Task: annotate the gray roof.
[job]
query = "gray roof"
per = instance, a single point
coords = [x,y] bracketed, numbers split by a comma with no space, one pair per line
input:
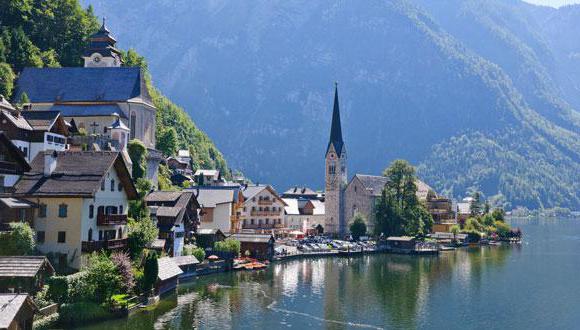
[16,203]
[10,305]
[252,238]
[208,231]
[373,183]
[158,243]
[163,196]
[23,266]
[212,196]
[17,120]
[300,191]
[41,120]
[50,85]
[185,260]
[94,110]
[252,190]
[167,268]
[77,173]
[171,204]
[4,104]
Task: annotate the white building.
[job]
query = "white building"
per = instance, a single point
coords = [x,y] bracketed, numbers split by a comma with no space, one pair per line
[263,209]
[303,214]
[82,199]
[221,207]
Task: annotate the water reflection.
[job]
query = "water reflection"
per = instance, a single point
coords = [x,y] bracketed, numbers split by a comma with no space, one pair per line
[340,293]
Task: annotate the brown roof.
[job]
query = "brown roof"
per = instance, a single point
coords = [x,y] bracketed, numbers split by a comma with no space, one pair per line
[17,155]
[163,196]
[173,203]
[41,120]
[23,266]
[252,238]
[17,120]
[77,173]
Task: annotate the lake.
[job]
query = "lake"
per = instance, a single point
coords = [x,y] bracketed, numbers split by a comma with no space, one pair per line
[534,285]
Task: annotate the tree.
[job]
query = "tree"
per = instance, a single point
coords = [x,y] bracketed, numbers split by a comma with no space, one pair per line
[229,245]
[141,234]
[455,230]
[6,80]
[150,271]
[103,276]
[398,211]
[138,154]
[18,241]
[498,214]
[475,207]
[167,141]
[358,226]
[195,251]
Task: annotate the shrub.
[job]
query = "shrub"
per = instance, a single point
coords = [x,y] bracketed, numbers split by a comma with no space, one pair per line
[103,276]
[125,270]
[138,154]
[498,214]
[195,251]
[228,245]
[502,229]
[82,312]
[67,289]
[18,241]
[42,299]
[48,322]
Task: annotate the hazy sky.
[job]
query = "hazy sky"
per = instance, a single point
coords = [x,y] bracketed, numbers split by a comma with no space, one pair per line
[553,3]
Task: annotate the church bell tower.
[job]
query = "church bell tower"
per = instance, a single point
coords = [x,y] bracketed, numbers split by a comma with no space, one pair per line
[101,52]
[336,177]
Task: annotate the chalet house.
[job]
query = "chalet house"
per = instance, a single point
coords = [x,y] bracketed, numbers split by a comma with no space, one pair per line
[33,132]
[16,311]
[263,209]
[24,273]
[206,238]
[12,163]
[95,96]
[305,215]
[82,199]
[168,276]
[221,207]
[260,246]
[208,178]
[176,213]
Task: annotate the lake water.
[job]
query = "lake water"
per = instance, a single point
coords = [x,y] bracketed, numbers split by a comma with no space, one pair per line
[534,286]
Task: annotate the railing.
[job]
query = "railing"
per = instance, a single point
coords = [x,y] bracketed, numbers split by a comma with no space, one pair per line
[263,226]
[111,244]
[111,219]
[265,213]
[265,202]
[6,165]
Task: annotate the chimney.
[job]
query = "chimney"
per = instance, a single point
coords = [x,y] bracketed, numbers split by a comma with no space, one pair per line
[49,162]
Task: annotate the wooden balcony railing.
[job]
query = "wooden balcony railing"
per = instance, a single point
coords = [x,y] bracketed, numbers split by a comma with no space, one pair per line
[111,244]
[111,219]
[265,202]
[265,213]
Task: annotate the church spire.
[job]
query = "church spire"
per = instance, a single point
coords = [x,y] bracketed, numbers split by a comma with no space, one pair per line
[335,128]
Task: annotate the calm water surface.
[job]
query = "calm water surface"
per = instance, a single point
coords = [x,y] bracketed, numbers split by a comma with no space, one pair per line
[535,286]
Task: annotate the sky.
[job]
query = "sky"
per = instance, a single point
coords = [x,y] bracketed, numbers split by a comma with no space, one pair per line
[553,3]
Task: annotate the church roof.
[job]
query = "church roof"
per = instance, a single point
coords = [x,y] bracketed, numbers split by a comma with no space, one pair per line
[88,110]
[58,85]
[335,128]
[373,183]
[102,42]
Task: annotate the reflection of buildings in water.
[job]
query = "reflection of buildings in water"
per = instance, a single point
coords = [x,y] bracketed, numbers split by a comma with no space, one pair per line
[318,276]
[287,275]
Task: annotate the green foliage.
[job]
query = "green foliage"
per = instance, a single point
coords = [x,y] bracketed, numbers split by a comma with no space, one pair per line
[47,322]
[70,288]
[455,229]
[197,252]
[141,234]
[229,245]
[42,298]
[137,208]
[138,154]
[502,229]
[476,208]
[398,210]
[103,276]
[472,224]
[18,241]
[6,80]
[150,271]
[498,214]
[202,150]
[164,178]
[79,313]
[167,141]
[487,219]
[358,226]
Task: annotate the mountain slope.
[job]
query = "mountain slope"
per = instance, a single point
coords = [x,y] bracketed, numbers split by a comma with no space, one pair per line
[257,76]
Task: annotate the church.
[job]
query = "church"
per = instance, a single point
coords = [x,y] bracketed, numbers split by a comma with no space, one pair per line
[103,98]
[344,199]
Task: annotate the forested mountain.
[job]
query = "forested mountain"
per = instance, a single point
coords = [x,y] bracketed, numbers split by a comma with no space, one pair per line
[480,94]
[37,33]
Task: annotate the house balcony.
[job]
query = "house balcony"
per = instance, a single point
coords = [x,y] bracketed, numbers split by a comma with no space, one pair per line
[266,213]
[112,244]
[263,226]
[265,202]
[111,219]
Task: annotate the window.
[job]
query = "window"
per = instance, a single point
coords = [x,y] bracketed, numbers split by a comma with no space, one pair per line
[112,185]
[62,210]
[267,221]
[133,125]
[120,209]
[244,209]
[90,234]
[91,211]
[331,169]
[103,185]
[21,215]
[2,181]
[42,211]
[25,151]
[251,221]
[119,187]
[40,237]
[61,237]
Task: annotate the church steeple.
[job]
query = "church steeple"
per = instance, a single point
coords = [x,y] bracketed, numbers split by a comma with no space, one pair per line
[335,128]
[101,51]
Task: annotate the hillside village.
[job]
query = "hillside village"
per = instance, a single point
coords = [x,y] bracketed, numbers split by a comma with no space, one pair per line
[80,166]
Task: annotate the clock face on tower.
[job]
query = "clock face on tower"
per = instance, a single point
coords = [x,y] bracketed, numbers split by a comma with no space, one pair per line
[97,59]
